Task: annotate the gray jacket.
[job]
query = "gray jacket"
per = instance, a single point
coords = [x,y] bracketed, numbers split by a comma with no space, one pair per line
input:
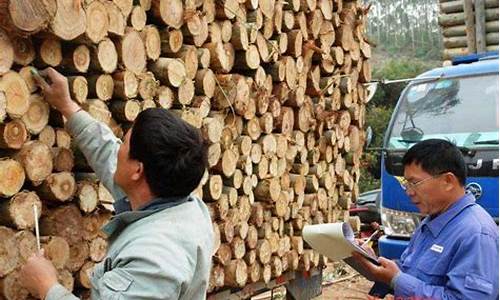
[162,251]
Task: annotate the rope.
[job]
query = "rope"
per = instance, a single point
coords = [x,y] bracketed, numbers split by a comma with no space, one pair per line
[227,99]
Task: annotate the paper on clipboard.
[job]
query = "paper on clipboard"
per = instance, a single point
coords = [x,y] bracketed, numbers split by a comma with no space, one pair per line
[336,241]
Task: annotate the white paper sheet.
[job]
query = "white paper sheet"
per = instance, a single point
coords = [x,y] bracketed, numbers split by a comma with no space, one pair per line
[337,242]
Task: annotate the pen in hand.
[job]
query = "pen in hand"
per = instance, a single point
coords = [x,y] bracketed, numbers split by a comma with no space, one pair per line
[374,234]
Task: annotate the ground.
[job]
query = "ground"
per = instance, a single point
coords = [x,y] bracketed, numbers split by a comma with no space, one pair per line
[339,282]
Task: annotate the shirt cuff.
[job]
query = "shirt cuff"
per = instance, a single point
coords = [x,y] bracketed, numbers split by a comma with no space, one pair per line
[56,292]
[78,122]
[393,280]
[405,285]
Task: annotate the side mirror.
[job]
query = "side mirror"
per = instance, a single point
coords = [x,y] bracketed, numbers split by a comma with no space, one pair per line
[369,136]
[412,134]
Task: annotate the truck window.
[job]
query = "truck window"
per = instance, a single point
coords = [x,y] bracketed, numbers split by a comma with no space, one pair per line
[463,110]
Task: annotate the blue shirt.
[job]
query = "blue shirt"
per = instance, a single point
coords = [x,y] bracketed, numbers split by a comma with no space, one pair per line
[452,256]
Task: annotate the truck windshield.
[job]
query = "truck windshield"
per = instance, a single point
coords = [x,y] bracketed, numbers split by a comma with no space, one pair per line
[462,110]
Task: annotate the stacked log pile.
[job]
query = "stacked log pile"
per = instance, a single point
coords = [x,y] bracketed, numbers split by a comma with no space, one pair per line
[275,87]
[468,26]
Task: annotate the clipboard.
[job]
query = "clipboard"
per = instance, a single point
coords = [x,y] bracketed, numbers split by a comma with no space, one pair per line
[337,242]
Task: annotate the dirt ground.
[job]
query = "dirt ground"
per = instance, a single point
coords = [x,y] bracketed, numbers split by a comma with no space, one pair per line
[339,282]
[355,287]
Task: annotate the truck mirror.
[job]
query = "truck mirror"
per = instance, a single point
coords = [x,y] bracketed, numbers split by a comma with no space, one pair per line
[412,134]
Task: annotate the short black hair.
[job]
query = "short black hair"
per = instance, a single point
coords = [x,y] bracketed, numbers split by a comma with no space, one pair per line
[173,152]
[437,156]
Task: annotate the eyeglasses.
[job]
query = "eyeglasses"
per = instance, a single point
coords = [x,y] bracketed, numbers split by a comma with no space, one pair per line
[407,185]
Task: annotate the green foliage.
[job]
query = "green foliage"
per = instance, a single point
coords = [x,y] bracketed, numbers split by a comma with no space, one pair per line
[378,118]
[408,27]
[401,68]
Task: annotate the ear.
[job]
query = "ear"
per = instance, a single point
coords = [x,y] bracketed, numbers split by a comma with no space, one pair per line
[450,181]
[138,171]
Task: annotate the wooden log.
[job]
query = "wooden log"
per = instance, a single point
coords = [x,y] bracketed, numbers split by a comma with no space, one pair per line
[97,249]
[12,177]
[36,159]
[247,60]
[217,277]
[100,86]
[169,71]
[58,187]
[238,247]
[24,51]
[185,93]
[104,57]
[97,24]
[9,250]
[56,250]
[131,51]
[84,275]
[78,87]
[138,18]
[235,273]
[169,12]
[64,221]
[152,41]
[148,86]
[219,59]
[26,243]
[78,255]
[125,84]
[171,41]
[87,196]
[13,134]
[16,94]
[268,190]
[69,21]
[26,17]
[454,19]
[213,188]
[117,22]
[63,138]
[18,211]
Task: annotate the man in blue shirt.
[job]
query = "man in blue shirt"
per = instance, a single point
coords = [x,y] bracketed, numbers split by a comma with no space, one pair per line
[453,254]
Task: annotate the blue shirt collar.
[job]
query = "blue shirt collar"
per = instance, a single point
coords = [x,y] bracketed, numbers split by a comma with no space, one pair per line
[439,222]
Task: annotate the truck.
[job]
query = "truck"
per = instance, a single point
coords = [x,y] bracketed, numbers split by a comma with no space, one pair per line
[458,103]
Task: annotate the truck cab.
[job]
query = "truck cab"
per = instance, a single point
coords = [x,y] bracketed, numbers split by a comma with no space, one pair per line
[458,103]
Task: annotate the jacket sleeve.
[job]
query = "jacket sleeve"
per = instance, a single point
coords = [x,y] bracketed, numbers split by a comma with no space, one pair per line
[58,292]
[472,274]
[100,147]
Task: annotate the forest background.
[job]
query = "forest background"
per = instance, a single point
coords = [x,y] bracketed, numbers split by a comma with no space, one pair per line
[406,41]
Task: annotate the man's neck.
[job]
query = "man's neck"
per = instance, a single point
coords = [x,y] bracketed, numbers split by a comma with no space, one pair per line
[139,197]
[454,197]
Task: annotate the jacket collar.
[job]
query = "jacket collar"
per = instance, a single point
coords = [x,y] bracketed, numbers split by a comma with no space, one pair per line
[437,224]
[125,215]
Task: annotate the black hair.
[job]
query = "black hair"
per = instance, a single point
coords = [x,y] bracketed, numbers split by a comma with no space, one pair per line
[436,156]
[172,151]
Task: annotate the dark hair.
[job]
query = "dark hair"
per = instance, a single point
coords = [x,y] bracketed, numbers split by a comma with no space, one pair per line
[173,152]
[436,156]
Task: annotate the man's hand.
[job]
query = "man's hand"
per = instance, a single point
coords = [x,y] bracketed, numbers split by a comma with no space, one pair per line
[384,273]
[38,275]
[56,91]
[366,247]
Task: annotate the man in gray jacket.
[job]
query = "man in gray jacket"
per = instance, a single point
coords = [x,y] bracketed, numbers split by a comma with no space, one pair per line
[161,238]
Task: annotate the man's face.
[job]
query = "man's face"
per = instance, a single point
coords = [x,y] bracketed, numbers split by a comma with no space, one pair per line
[428,194]
[125,163]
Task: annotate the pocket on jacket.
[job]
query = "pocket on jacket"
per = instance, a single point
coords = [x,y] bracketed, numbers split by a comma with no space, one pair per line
[433,269]
[115,284]
[117,280]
